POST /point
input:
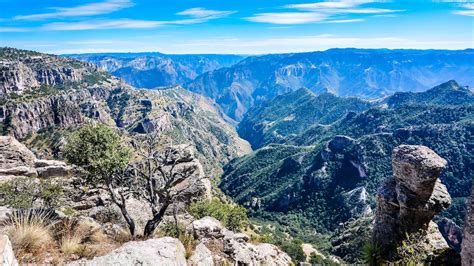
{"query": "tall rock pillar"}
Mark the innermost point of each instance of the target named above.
(409, 199)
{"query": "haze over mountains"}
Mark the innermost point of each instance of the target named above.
(236, 87)
(151, 70)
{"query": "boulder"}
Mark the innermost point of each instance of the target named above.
(7, 257)
(202, 256)
(467, 247)
(410, 199)
(226, 245)
(52, 168)
(13, 154)
(162, 251)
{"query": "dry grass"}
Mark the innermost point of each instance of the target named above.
(30, 232)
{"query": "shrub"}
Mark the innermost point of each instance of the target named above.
(295, 250)
(18, 193)
(372, 253)
(22, 192)
(233, 217)
(30, 231)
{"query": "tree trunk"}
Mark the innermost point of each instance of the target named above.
(153, 223)
(123, 209)
(129, 220)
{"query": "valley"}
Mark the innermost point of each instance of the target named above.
(302, 141)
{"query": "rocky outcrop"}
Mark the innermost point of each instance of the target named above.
(17, 160)
(162, 251)
(467, 249)
(451, 232)
(22, 70)
(409, 200)
(233, 247)
(7, 257)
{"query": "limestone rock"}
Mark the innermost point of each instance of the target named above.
(13, 154)
(235, 247)
(409, 200)
(7, 257)
(202, 256)
(162, 251)
(451, 232)
(467, 249)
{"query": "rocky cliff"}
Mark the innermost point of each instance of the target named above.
(408, 201)
(467, 249)
(73, 93)
(22, 70)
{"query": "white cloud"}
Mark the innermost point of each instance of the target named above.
(288, 18)
(468, 10)
(198, 15)
(14, 29)
(102, 24)
(199, 12)
(92, 9)
(336, 10)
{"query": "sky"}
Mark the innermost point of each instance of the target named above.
(234, 26)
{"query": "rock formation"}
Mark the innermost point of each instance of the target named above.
(467, 249)
(409, 200)
(162, 251)
(17, 160)
(227, 246)
(7, 257)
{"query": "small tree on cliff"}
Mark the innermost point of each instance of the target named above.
(153, 176)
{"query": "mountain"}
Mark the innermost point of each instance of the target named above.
(320, 175)
(45, 97)
(292, 113)
(366, 73)
(151, 70)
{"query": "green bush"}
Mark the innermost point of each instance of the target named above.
(295, 250)
(233, 217)
(22, 192)
(97, 149)
(372, 253)
(18, 193)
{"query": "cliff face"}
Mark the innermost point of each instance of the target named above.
(467, 249)
(408, 201)
(44, 95)
(24, 70)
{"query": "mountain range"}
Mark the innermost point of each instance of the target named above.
(151, 70)
(321, 158)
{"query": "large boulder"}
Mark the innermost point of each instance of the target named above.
(467, 248)
(7, 257)
(15, 159)
(409, 200)
(162, 251)
(235, 248)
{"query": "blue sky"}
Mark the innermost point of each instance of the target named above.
(233, 26)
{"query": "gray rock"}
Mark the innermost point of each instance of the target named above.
(7, 257)
(162, 251)
(234, 247)
(13, 154)
(467, 248)
(409, 200)
(202, 256)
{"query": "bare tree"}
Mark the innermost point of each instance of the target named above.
(160, 172)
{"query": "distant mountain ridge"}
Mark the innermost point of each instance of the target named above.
(366, 73)
(154, 69)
